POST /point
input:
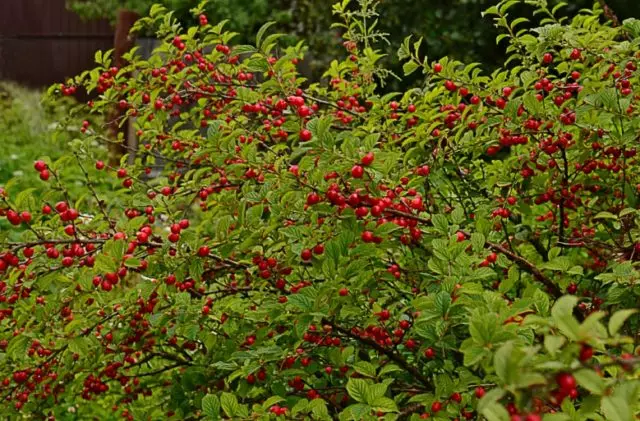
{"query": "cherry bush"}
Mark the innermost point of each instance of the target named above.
(282, 249)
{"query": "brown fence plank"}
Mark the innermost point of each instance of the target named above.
(43, 43)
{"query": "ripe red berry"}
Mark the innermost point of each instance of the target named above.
(357, 171)
(99, 165)
(436, 406)
(203, 251)
(367, 236)
(547, 58)
(437, 67)
(313, 198)
(40, 166)
(306, 255)
(25, 216)
(566, 381)
(479, 392)
(305, 135)
(430, 353)
(318, 249)
(586, 353)
(456, 397)
(367, 159)
(343, 292)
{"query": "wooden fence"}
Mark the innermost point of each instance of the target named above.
(41, 42)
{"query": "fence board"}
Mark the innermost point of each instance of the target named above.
(42, 43)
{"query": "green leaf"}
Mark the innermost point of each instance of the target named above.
(261, 33)
(132, 262)
(590, 380)
(556, 417)
(366, 368)
(562, 313)
(211, 406)
(440, 223)
(605, 215)
(616, 409)
(105, 264)
(477, 241)
(384, 404)
(489, 407)
(374, 392)
(618, 318)
(319, 409)
(18, 346)
(229, 404)
(410, 67)
(357, 389)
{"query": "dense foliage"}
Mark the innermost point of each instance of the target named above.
(450, 28)
(467, 249)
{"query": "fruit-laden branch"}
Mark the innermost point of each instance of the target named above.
(520, 261)
(394, 356)
(527, 266)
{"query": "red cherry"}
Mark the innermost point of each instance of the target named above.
(313, 198)
(40, 166)
(306, 255)
(305, 135)
(566, 381)
(25, 216)
(203, 251)
(367, 159)
(367, 236)
(20, 376)
(430, 353)
(586, 353)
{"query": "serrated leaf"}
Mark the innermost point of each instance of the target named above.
(357, 389)
(477, 242)
(229, 404)
(211, 406)
(366, 368)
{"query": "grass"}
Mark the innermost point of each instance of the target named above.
(31, 129)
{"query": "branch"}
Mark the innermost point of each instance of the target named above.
(527, 266)
(609, 13)
(397, 358)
